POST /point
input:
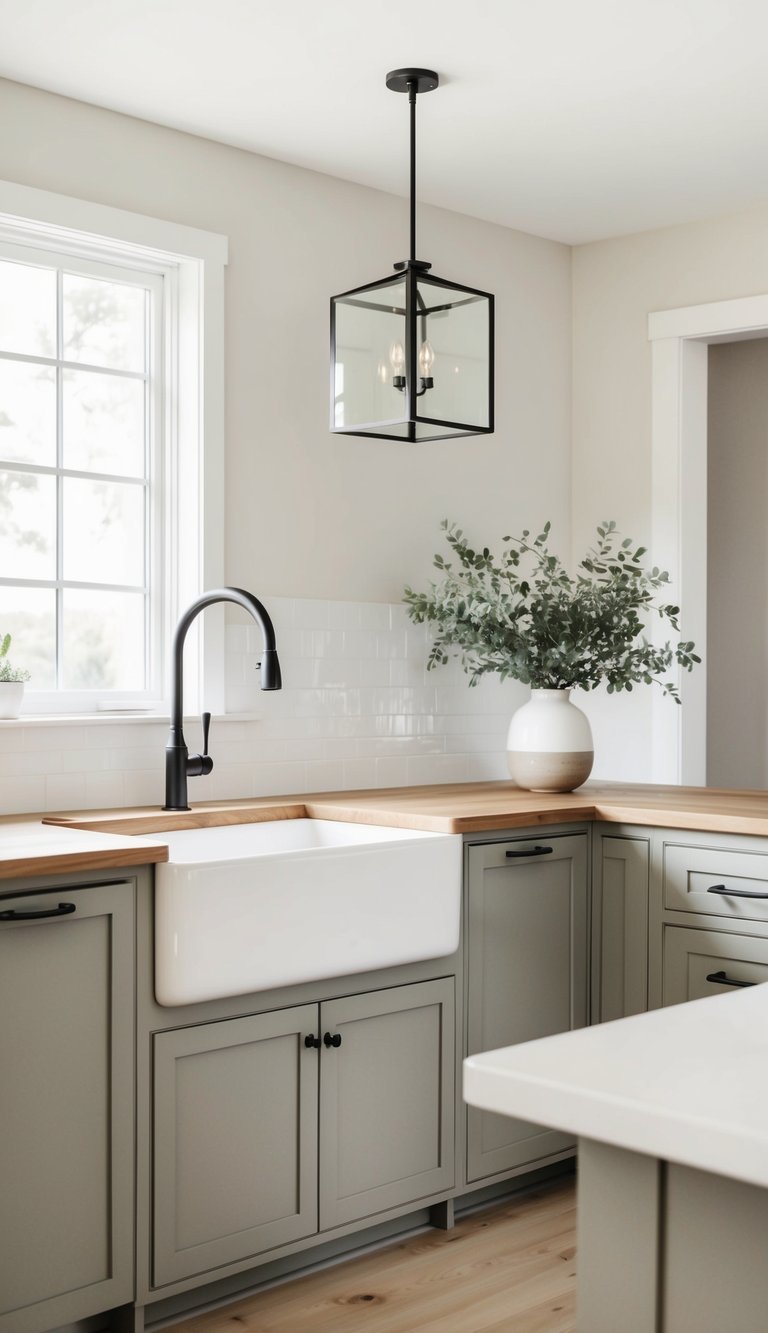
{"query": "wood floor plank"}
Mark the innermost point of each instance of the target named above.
(508, 1269)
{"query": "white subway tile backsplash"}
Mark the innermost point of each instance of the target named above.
(362, 643)
(391, 773)
(327, 776)
(233, 781)
(308, 613)
(358, 708)
(22, 795)
(66, 791)
(375, 615)
(30, 763)
(104, 790)
(143, 788)
(236, 639)
(276, 780)
(346, 615)
(328, 643)
(359, 773)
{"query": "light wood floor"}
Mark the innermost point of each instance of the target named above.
(508, 1268)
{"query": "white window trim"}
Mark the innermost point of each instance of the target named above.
(193, 262)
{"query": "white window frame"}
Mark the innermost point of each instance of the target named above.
(190, 265)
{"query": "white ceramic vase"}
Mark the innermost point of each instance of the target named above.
(549, 746)
(11, 695)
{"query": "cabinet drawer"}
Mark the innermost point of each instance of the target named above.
(710, 962)
(720, 883)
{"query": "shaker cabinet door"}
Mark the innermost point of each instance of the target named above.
(620, 926)
(387, 1097)
(235, 1141)
(66, 1111)
(527, 974)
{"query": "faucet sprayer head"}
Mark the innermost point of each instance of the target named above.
(271, 677)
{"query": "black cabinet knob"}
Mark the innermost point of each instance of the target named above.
(334, 1040)
(312, 1041)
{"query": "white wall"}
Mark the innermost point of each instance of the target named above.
(615, 285)
(737, 555)
(310, 515)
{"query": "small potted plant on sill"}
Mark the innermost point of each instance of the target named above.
(524, 617)
(11, 682)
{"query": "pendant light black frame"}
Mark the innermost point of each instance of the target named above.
(410, 271)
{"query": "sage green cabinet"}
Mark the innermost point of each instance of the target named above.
(247, 1111)
(620, 928)
(235, 1140)
(66, 1105)
(387, 1096)
(709, 962)
(527, 973)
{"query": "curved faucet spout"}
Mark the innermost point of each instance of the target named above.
(179, 765)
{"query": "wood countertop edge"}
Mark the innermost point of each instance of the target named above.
(102, 858)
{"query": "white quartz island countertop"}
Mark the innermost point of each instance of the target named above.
(687, 1084)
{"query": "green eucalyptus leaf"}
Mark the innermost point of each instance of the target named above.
(527, 619)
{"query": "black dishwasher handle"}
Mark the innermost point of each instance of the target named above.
(37, 913)
(735, 893)
(530, 851)
(722, 979)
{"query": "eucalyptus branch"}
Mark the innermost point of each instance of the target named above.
(524, 617)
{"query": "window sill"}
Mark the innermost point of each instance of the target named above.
(127, 718)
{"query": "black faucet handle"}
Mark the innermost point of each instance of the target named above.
(200, 765)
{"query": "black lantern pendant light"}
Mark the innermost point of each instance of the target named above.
(412, 354)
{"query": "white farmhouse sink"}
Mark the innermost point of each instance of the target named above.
(252, 906)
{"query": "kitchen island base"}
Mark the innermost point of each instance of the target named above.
(664, 1248)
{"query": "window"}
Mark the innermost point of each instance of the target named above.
(81, 473)
(102, 424)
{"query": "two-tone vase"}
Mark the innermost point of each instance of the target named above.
(549, 746)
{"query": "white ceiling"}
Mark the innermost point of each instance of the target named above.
(572, 119)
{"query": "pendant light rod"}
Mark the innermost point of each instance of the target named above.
(412, 108)
(412, 81)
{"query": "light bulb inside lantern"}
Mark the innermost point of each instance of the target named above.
(426, 359)
(397, 358)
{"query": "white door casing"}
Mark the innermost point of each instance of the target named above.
(679, 505)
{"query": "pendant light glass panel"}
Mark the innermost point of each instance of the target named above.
(368, 340)
(455, 324)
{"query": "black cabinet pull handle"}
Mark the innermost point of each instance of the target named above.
(735, 893)
(530, 851)
(329, 1040)
(37, 914)
(312, 1042)
(722, 979)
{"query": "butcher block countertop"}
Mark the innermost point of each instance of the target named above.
(29, 847)
(469, 807)
(111, 838)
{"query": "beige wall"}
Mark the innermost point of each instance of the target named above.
(737, 555)
(615, 285)
(309, 514)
